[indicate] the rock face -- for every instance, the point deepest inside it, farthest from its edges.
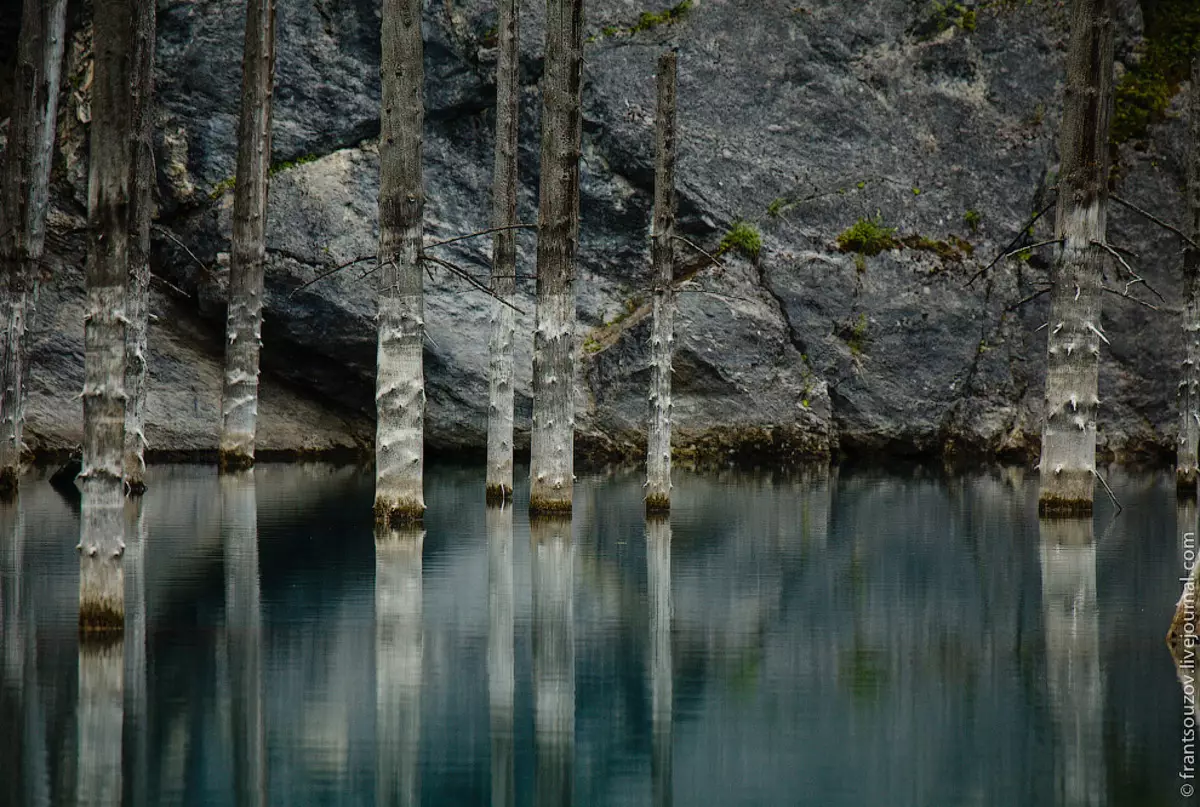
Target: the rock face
(798, 119)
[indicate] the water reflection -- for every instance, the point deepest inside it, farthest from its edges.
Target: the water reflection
(243, 633)
(658, 576)
(136, 718)
(500, 661)
(1074, 678)
(553, 557)
(399, 658)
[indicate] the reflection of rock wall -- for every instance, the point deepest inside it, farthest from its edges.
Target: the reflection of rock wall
(1074, 678)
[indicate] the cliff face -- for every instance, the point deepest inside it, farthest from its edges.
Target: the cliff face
(798, 119)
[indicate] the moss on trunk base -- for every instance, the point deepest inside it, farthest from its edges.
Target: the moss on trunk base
(658, 503)
(542, 505)
(100, 622)
(498, 494)
(234, 460)
(398, 514)
(1185, 484)
(1056, 507)
(9, 482)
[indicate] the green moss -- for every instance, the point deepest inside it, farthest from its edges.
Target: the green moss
(972, 218)
(592, 345)
(744, 237)
(867, 237)
(286, 165)
(1172, 40)
(650, 19)
(860, 262)
(946, 15)
(219, 189)
(951, 249)
(777, 207)
(855, 336)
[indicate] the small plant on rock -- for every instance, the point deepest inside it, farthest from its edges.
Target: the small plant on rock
(868, 236)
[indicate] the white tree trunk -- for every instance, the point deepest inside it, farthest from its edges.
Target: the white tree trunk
(504, 260)
(102, 533)
(553, 660)
(1187, 464)
(99, 717)
(243, 328)
(24, 199)
(1074, 678)
(1068, 463)
(399, 659)
(662, 685)
(400, 375)
(243, 622)
(552, 441)
(662, 331)
(501, 673)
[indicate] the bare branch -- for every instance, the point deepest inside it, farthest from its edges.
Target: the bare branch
(333, 270)
(1126, 295)
(479, 233)
(1136, 277)
(1011, 244)
(170, 286)
(1028, 299)
(715, 261)
(1038, 245)
(170, 235)
(471, 279)
(1112, 495)
(1148, 215)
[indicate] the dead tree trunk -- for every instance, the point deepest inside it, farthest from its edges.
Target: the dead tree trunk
(1186, 465)
(658, 577)
(101, 579)
(662, 333)
(243, 328)
(400, 374)
(141, 203)
(553, 580)
(25, 183)
(1068, 464)
(553, 437)
(498, 523)
(504, 261)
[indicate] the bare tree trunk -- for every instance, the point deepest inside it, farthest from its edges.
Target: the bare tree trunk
(243, 619)
(400, 374)
(399, 657)
(552, 461)
(102, 527)
(662, 684)
(141, 204)
(662, 332)
(1187, 466)
(504, 260)
(553, 660)
(24, 198)
(243, 328)
(1068, 464)
(501, 671)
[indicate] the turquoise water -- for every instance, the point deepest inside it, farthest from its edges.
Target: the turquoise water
(844, 637)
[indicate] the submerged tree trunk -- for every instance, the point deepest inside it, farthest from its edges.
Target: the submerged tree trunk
(500, 658)
(552, 445)
(24, 198)
(99, 714)
(553, 661)
(135, 731)
(141, 203)
(504, 260)
(662, 684)
(399, 659)
(400, 374)
(662, 332)
(101, 580)
(243, 327)
(1186, 465)
(1068, 463)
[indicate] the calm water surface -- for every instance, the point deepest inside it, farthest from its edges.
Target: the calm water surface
(813, 638)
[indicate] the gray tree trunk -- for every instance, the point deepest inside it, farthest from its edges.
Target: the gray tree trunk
(662, 684)
(102, 527)
(662, 331)
(243, 620)
(1187, 465)
(141, 206)
(1068, 463)
(400, 374)
(504, 260)
(399, 656)
(243, 327)
(552, 461)
(553, 660)
(501, 672)
(24, 198)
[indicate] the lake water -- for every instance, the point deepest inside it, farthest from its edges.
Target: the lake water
(844, 637)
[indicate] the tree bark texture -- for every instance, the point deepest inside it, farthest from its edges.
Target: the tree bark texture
(500, 658)
(553, 660)
(243, 621)
(399, 656)
(662, 684)
(400, 375)
(24, 199)
(662, 331)
(101, 584)
(1068, 463)
(141, 206)
(243, 326)
(504, 259)
(1187, 465)
(553, 437)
